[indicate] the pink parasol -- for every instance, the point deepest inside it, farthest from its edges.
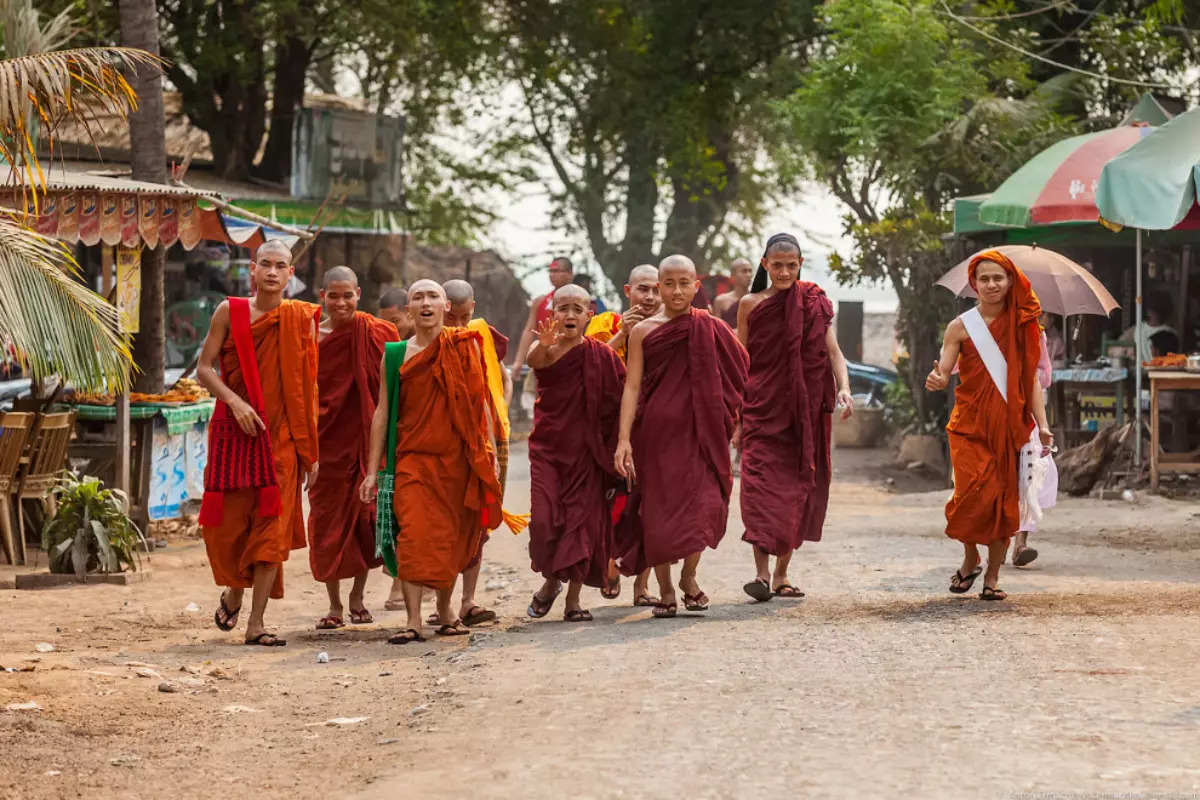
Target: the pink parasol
(1062, 286)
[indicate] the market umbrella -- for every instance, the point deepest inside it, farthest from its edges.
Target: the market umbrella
(1062, 286)
(1059, 184)
(1152, 185)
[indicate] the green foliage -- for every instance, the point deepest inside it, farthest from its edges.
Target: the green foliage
(90, 530)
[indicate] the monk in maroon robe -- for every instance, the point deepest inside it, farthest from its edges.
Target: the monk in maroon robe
(788, 414)
(341, 529)
(579, 382)
(683, 393)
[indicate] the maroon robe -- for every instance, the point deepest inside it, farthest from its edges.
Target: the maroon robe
(787, 420)
(341, 530)
(571, 463)
(694, 375)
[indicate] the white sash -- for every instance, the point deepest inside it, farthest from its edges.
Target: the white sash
(989, 351)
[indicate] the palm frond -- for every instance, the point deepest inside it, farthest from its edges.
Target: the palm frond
(55, 324)
(25, 30)
(54, 87)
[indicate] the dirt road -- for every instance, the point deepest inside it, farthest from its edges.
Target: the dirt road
(879, 683)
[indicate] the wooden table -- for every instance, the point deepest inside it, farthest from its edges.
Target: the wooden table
(1168, 381)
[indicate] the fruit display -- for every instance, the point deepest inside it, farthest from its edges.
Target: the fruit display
(186, 390)
(1169, 361)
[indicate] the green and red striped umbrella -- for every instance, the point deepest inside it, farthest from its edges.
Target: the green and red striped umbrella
(1059, 184)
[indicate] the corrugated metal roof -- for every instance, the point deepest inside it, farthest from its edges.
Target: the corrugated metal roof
(71, 176)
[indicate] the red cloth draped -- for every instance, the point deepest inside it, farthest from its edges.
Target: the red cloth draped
(986, 433)
(694, 376)
(787, 421)
(571, 463)
(341, 530)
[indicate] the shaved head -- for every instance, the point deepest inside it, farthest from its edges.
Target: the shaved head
(458, 291)
(426, 285)
(394, 298)
(339, 274)
(677, 262)
(274, 247)
(572, 291)
(643, 272)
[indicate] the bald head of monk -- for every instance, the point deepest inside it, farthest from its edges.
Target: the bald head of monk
(741, 272)
(340, 294)
(677, 283)
(272, 267)
(572, 310)
(427, 306)
(642, 289)
(393, 308)
(461, 297)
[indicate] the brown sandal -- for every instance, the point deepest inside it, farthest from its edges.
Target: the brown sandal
(665, 610)
(455, 628)
(361, 617)
(786, 590)
(578, 615)
(695, 602)
(404, 637)
(645, 601)
(331, 623)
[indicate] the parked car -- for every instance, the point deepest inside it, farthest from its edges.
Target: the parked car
(868, 382)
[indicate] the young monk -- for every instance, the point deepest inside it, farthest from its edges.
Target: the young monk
(683, 389)
(262, 438)
(741, 272)
(579, 384)
(393, 308)
(613, 328)
(446, 490)
(787, 418)
(341, 528)
(997, 346)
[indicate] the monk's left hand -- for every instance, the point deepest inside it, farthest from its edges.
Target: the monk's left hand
(845, 401)
(1047, 441)
(311, 477)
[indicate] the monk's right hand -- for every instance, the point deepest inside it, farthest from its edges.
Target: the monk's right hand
(631, 318)
(549, 332)
(623, 460)
(366, 492)
(247, 419)
(937, 380)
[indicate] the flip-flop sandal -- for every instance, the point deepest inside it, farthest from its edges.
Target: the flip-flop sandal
(989, 593)
(456, 628)
(759, 589)
(540, 607)
(1024, 557)
(695, 602)
(961, 584)
(361, 617)
(231, 615)
(612, 589)
(578, 615)
(393, 605)
(275, 640)
(404, 637)
(786, 590)
(665, 610)
(645, 601)
(478, 615)
(330, 623)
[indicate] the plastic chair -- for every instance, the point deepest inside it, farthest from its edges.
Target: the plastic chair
(14, 433)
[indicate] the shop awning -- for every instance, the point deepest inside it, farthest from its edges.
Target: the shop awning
(221, 227)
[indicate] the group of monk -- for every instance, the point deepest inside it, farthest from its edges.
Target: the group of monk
(630, 453)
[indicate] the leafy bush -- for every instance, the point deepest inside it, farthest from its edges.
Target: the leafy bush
(91, 530)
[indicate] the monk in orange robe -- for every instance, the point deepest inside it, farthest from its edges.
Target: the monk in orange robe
(786, 325)
(613, 329)
(267, 406)
(571, 467)
(447, 493)
(683, 389)
(341, 528)
(997, 346)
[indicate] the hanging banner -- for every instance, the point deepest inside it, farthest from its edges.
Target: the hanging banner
(189, 223)
(168, 222)
(129, 287)
(129, 221)
(89, 219)
(47, 221)
(68, 218)
(148, 225)
(110, 219)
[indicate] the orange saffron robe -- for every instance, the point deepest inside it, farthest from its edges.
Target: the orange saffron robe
(341, 530)
(985, 432)
(447, 490)
(286, 351)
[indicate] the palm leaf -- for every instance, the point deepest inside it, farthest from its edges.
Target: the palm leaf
(56, 325)
(56, 87)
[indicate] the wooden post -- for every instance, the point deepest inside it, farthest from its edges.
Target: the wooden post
(107, 279)
(123, 442)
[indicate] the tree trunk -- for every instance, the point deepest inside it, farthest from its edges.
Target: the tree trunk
(292, 59)
(147, 135)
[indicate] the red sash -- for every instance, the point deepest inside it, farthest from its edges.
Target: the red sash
(237, 461)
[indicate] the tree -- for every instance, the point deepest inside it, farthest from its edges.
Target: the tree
(147, 137)
(52, 322)
(652, 114)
